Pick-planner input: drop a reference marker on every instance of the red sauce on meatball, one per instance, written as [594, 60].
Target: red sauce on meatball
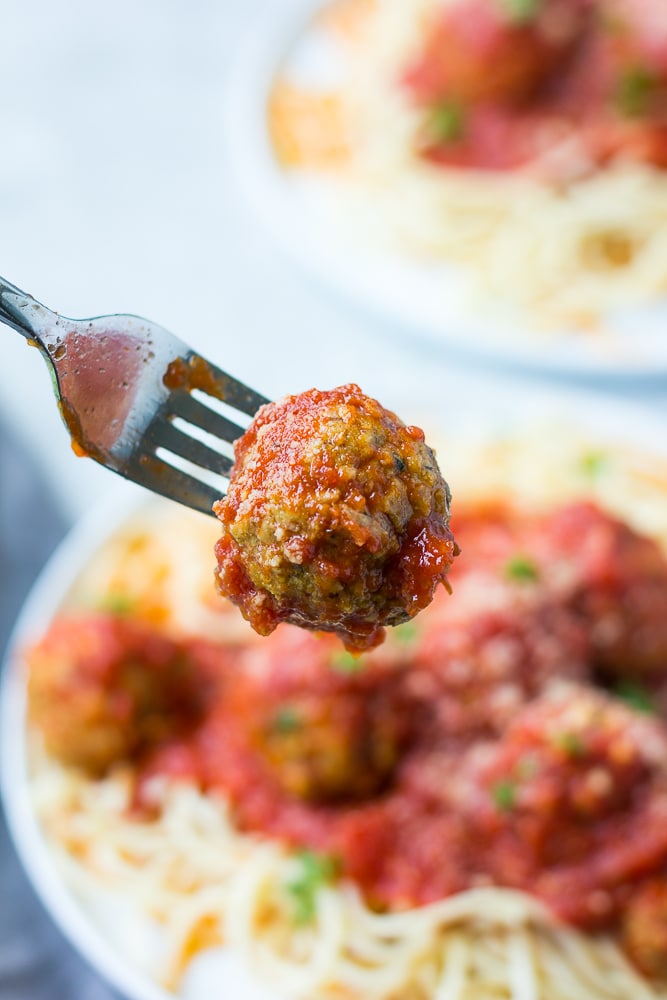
[336, 518]
[572, 803]
[104, 687]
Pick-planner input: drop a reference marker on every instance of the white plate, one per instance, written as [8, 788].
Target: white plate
[413, 298]
[110, 939]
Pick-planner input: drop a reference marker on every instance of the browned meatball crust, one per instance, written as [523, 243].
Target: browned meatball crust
[328, 726]
[104, 687]
[337, 518]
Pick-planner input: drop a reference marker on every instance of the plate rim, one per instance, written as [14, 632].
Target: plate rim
[44, 598]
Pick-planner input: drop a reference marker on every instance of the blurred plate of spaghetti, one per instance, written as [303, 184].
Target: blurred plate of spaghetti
[557, 264]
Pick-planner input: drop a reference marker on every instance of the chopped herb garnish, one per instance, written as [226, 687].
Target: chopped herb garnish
[446, 123]
[314, 871]
[286, 720]
[569, 743]
[504, 795]
[406, 633]
[594, 463]
[521, 11]
[522, 569]
[117, 604]
[527, 766]
[636, 696]
[346, 663]
[634, 91]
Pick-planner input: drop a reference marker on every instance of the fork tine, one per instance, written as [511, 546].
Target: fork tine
[156, 475]
[182, 404]
[162, 434]
[230, 390]
[152, 375]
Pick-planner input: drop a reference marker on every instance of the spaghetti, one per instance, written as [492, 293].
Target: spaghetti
[569, 234]
[206, 885]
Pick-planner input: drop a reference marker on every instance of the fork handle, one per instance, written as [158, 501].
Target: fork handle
[23, 313]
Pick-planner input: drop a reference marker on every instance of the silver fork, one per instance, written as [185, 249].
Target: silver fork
[137, 399]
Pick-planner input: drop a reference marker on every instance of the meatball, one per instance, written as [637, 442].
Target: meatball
[336, 518]
[103, 687]
[572, 802]
[618, 586]
[608, 576]
[644, 929]
[328, 726]
[498, 646]
[477, 51]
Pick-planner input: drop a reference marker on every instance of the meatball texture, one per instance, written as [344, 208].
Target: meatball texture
[103, 688]
[618, 587]
[336, 518]
[572, 799]
[477, 663]
[608, 577]
[327, 726]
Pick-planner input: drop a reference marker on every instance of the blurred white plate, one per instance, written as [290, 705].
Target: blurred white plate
[414, 298]
[113, 940]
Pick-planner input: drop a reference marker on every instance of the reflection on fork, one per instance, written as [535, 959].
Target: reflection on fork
[139, 400]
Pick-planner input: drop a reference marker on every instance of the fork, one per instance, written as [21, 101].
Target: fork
[139, 400]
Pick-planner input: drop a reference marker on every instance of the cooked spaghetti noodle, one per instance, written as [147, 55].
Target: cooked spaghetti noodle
[207, 885]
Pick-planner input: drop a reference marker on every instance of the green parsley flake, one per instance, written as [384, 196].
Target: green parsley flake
[286, 720]
[504, 795]
[521, 11]
[569, 743]
[522, 569]
[406, 633]
[527, 766]
[117, 604]
[346, 663]
[634, 91]
[594, 463]
[446, 123]
[315, 871]
[636, 696]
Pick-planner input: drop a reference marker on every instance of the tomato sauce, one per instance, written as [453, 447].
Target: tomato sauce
[570, 87]
[507, 757]
[336, 518]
